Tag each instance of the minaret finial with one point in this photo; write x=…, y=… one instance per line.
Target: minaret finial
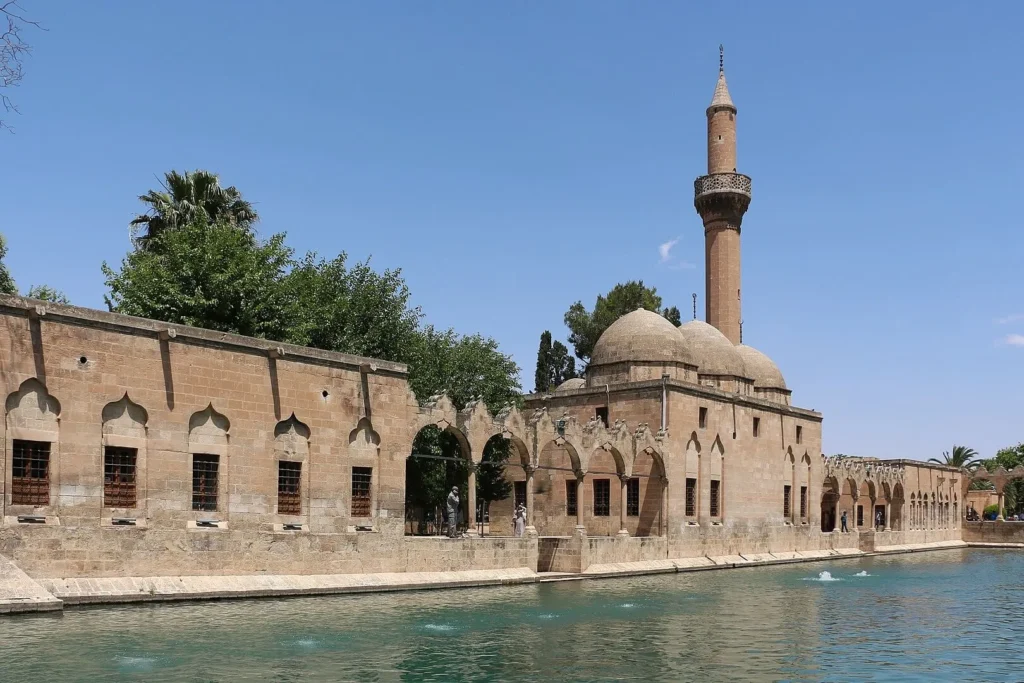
x=741, y=332
x=695, y=305
x=721, y=58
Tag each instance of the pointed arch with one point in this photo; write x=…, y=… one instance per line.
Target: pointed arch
x=692, y=468
x=208, y=431
x=124, y=417
x=33, y=409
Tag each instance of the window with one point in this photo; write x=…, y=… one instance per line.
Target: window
x=787, y=492
x=30, y=476
x=803, y=502
x=633, y=497
x=519, y=493
x=716, y=487
x=602, y=497
x=702, y=417
x=119, y=477
x=860, y=515
x=691, y=497
x=362, y=477
x=570, y=497
x=799, y=434
x=602, y=415
x=204, y=481
x=757, y=426
x=289, y=482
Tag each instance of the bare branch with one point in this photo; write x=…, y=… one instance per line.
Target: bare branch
x=13, y=50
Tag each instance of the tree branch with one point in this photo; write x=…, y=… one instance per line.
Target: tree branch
x=13, y=50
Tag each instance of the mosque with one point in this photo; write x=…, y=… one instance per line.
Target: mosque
x=136, y=448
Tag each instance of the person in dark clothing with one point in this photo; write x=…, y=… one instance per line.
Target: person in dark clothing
x=843, y=521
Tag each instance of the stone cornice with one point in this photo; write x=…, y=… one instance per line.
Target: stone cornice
x=678, y=387
x=126, y=324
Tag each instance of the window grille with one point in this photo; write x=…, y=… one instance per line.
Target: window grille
x=362, y=477
x=786, y=508
x=602, y=497
x=520, y=493
x=204, y=481
x=633, y=497
x=30, y=474
x=715, y=492
x=691, y=497
x=119, y=477
x=289, y=487
x=570, y=497
x=803, y=502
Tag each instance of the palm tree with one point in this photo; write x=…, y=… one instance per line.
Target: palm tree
x=962, y=457
x=184, y=198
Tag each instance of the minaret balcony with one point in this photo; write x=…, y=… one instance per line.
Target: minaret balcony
x=722, y=195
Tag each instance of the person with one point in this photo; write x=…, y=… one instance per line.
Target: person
x=519, y=523
x=878, y=519
x=842, y=520
x=453, y=512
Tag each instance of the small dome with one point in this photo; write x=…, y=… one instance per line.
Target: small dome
x=640, y=336
x=713, y=351
x=574, y=383
x=761, y=369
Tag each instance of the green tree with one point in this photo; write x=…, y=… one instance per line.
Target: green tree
x=186, y=198
x=207, y=274
x=554, y=364
x=962, y=457
x=1013, y=493
x=7, y=285
x=673, y=316
x=352, y=309
x=585, y=327
x=47, y=293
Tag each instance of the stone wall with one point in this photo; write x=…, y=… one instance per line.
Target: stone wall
x=993, y=532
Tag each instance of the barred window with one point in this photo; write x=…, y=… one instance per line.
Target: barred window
x=30, y=474
x=602, y=497
x=204, y=481
x=691, y=497
x=803, y=502
x=787, y=491
x=715, y=492
x=520, y=493
x=119, y=477
x=570, y=497
x=860, y=515
x=289, y=487
x=633, y=497
x=362, y=477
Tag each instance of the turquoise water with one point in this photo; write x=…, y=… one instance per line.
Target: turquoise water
x=943, y=616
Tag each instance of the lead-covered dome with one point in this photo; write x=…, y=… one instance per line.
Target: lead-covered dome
x=641, y=337
x=570, y=384
x=761, y=369
x=713, y=352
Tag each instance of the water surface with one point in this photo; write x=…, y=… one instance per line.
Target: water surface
x=944, y=616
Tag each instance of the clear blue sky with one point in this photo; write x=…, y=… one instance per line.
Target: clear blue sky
x=512, y=158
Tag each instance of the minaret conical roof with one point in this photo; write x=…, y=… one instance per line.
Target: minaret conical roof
x=722, y=98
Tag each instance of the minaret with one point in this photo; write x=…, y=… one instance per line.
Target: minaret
x=721, y=198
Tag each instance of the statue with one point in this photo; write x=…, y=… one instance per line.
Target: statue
x=453, y=512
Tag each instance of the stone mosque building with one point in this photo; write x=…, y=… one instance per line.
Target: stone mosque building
x=139, y=448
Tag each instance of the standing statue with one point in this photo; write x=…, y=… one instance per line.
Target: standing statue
x=519, y=523
x=453, y=512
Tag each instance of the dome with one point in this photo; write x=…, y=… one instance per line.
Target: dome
x=714, y=353
x=574, y=383
x=640, y=336
x=761, y=369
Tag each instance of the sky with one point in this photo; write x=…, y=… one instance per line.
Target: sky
x=512, y=158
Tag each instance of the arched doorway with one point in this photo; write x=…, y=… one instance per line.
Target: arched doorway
x=501, y=483
x=557, y=490
x=896, y=508
x=645, y=502
x=439, y=461
x=829, y=504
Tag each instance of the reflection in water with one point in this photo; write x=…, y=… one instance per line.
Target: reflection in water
x=919, y=617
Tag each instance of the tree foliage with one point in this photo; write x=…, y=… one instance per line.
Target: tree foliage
x=585, y=327
x=187, y=198
x=207, y=274
x=47, y=293
x=961, y=457
x=1013, y=492
x=7, y=285
x=554, y=364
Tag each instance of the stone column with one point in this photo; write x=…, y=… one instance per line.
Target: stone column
x=471, y=503
x=579, y=501
x=888, y=515
x=999, y=502
x=530, y=528
x=624, y=482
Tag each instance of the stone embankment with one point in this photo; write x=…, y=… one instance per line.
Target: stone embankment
x=20, y=593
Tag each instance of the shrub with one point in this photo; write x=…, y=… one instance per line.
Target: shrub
x=990, y=512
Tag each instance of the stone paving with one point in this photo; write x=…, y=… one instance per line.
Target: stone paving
x=19, y=593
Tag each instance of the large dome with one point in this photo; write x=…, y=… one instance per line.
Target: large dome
x=641, y=336
x=714, y=353
x=574, y=383
x=761, y=369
